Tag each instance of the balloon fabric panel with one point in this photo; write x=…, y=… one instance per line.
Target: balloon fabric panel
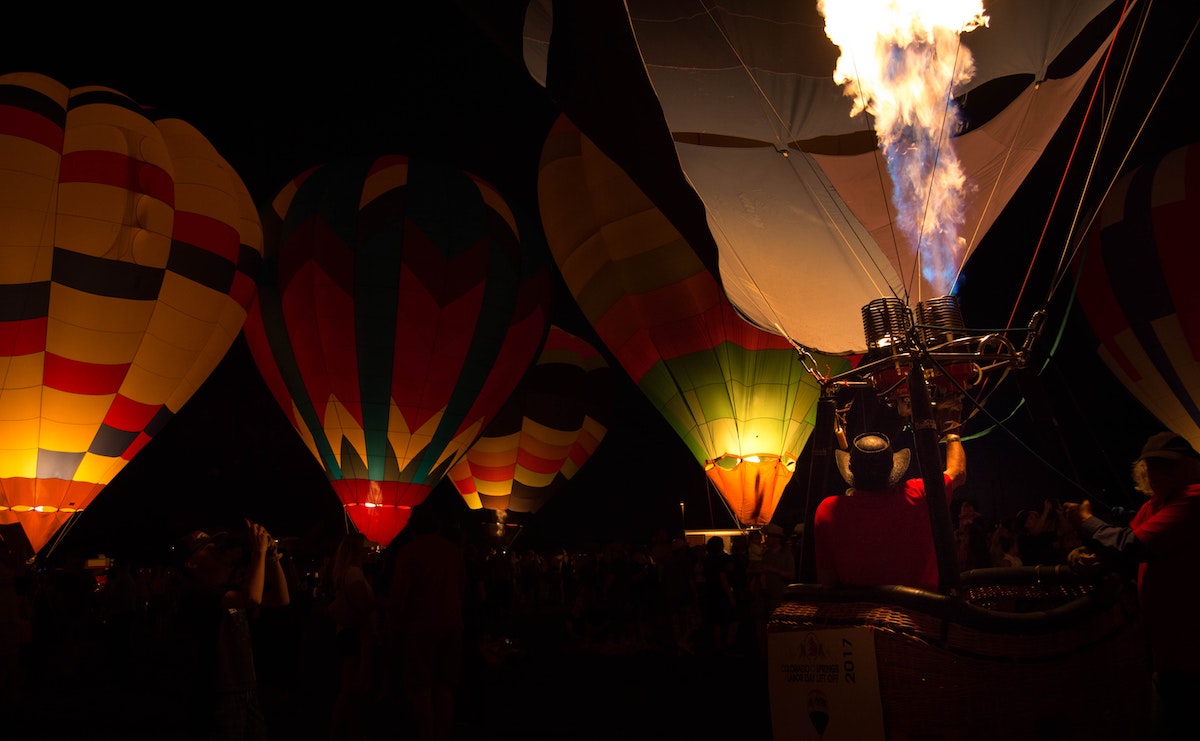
x=544, y=433
x=1173, y=207
x=1136, y=287
x=130, y=253
x=787, y=177
x=398, y=311
x=738, y=396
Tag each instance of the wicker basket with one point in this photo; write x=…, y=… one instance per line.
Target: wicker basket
x=1021, y=653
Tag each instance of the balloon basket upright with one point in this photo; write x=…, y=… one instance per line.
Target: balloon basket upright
x=1026, y=652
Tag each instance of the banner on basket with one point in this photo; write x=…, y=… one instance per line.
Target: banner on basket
x=824, y=685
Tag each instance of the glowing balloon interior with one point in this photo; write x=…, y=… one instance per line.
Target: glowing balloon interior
x=130, y=253
x=739, y=397
x=788, y=177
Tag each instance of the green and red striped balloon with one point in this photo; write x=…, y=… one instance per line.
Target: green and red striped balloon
x=738, y=396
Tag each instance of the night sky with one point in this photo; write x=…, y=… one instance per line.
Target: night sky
x=276, y=95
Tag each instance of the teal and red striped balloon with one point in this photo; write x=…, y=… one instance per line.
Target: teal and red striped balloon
x=397, y=313
x=129, y=250
x=545, y=433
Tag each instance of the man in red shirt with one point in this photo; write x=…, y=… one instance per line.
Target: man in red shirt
x=878, y=531
x=1163, y=539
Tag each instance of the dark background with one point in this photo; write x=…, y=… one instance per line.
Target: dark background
x=276, y=95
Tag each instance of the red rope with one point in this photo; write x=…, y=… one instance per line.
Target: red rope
x=1067, y=168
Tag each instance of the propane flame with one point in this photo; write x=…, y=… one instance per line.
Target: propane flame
x=900, y=62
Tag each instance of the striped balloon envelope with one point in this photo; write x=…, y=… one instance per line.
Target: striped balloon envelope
x=129, y=251
x=1137, y=287
x=397, y=313
x=739, y=397
x=550, y=427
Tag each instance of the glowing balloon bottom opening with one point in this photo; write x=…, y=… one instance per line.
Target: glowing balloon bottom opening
x=380, y=509
x=753, y=486
x=42, y=506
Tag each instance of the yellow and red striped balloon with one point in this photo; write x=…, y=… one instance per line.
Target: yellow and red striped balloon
x=128, y=255
x=546, y=431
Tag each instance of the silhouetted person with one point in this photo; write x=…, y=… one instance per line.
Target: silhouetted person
x=425, y=600
x=356, y=636
x=971, y=537
x=121, y=613
x=225, y=579
x=501, y=590
x=774, y=571
x=1163, y=540
x=718, y=596
x=11, y=628
x=682, y=600
x=1036, y=533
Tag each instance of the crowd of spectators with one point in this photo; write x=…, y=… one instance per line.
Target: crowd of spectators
x=84, y=628
x=673, y=595
x=1032, y=537
x=661, y=594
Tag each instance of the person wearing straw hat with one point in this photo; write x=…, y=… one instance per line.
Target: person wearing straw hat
x=878, y=532
x=1163, y=542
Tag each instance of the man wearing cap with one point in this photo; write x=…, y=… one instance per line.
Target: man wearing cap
x=878, y=532
x=1163, y=539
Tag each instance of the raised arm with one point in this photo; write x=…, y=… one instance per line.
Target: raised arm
x=956, y=460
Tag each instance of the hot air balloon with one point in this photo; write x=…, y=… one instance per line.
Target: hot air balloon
x=396, y=314
x=741, y=398
x=130, y=253
x=788, y=178
x=1136, y=287
x=546, y=431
